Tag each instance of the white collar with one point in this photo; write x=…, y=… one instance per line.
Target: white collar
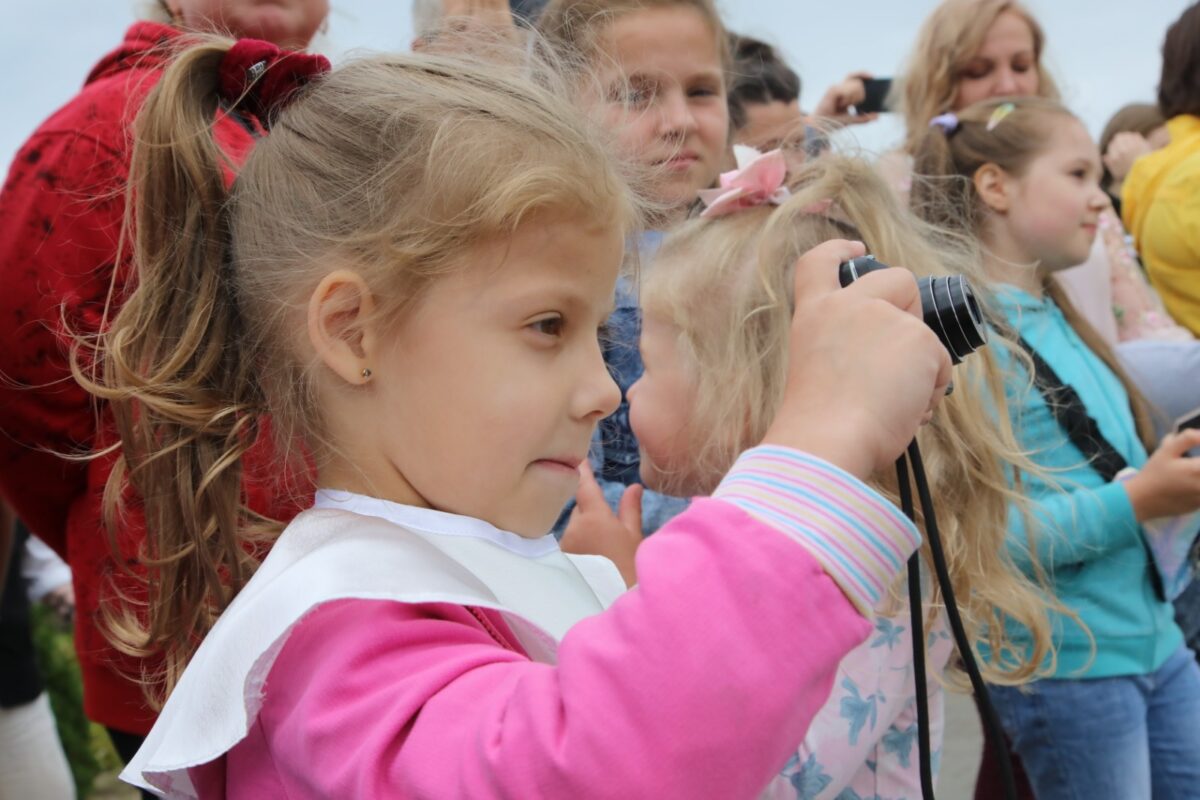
x=429, y=520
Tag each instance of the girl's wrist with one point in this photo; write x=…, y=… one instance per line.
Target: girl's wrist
x=1139, y=499
x=834, y=444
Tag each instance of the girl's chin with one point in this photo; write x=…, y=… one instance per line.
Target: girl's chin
x=678, y=192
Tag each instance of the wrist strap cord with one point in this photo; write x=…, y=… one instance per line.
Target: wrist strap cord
x=917, y=611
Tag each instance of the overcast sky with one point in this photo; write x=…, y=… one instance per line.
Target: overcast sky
x=1104, y=53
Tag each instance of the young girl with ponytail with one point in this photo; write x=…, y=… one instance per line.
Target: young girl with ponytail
x=1119, y=715
x=409, y=276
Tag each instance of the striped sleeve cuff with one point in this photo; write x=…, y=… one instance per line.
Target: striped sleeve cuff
x=860, y=539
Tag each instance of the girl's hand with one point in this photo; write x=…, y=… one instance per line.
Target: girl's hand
x=1169, y=483
x=1125, y=148
x=864, y=369
x=594, y=530
x=837, y=100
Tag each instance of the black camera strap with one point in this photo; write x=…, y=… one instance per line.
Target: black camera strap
x=1068, y=409
x=1084, y=432
x=957, y=628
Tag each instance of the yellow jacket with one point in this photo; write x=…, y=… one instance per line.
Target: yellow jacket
x=1160, y=203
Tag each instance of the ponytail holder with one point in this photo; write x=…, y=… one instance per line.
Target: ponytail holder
x=758, y=181
x=947, y=122
x=260, y=78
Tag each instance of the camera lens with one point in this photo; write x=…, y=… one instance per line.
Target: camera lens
x=948, y=306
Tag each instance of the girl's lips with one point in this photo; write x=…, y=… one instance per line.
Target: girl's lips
x=680, y=163
x=560, y=464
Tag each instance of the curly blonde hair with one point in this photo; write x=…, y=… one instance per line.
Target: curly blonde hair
x=395, y=165
x=725, y=286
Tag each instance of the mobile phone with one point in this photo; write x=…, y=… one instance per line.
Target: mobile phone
x=877, y=90
x=1188, y=420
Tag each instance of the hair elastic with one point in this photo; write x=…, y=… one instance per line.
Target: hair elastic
x=262, y=78
x=947, y=122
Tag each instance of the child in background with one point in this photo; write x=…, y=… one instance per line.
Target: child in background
x=409, y=276
x=1135, y=130
x=654, y=73
x=718, y=307
x=1119, y=717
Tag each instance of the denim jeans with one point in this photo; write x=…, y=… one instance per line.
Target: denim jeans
x=1187, y=614
x=1134, y=737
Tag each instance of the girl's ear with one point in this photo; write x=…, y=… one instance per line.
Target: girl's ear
x=340, y=325
x=994, y=187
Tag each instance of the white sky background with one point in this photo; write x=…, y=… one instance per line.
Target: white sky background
x=1104, y=53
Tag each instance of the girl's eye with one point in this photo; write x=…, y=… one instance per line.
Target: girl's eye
x=702, y=91
x=549, y=326
x=1021, y=66
x=630, y=95
x=1079, y=173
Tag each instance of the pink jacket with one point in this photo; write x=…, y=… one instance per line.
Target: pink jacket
x=699, y=682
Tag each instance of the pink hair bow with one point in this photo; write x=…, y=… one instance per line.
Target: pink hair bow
x=757, y=181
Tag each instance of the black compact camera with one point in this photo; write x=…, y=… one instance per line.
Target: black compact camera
x=948, y=306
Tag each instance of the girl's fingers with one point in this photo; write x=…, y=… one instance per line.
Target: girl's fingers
x=816, y=270
x=629, y=511
x=589, y=494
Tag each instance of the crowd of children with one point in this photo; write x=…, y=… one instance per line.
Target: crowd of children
x=303, y=365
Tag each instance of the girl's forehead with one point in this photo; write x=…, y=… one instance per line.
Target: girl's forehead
x=644, y=36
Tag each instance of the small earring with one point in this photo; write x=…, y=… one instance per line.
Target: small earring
x=366, y=373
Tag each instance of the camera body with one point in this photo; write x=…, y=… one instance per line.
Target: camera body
x=948, y=306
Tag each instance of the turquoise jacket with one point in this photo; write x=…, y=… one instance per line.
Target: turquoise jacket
x=1086, y=536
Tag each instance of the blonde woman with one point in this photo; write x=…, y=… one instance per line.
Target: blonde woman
x=972, y=50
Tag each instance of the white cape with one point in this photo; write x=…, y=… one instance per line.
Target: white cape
x=351, y=546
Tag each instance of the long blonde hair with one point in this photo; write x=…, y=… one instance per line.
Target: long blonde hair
x=725, y=285
x=944, y=194
x=395, y=165
x=949, y=38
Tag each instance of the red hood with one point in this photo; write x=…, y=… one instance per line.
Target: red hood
x=142, y=48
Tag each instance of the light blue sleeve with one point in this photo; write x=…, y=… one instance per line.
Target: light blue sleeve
x=1073, y=526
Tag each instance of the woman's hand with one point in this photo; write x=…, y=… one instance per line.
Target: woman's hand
x=1169, y=483
x=838, y=99
x=864, y=370
x=594, y=530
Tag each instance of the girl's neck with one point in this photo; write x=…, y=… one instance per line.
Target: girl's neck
x=1005, y=261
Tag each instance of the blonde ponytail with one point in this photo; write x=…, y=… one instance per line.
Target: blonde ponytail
x=182, y=393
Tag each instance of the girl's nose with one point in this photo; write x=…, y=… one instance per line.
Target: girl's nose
x=598, y=394
x=677, y=118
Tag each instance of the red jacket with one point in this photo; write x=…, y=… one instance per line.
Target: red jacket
x=61, y=212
